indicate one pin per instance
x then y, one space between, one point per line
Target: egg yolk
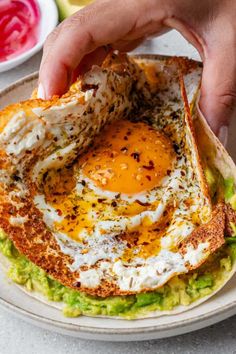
128 157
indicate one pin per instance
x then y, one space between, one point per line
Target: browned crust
230 217
189 123
213 232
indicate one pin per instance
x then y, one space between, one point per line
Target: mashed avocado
181 290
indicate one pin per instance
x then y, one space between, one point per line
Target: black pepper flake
168 172
86 87
111 109
77 284
93 205
83 183
174 115
16 178
176 148
101 200
114 204
136 156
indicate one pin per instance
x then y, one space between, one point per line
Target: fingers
218 97
81 34
99 54
94 58
122 23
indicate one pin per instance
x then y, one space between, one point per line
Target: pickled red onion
19 27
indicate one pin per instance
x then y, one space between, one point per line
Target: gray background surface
17 336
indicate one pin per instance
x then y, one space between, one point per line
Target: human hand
81 41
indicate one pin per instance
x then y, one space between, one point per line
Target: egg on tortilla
104 188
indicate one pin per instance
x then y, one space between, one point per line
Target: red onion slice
19 27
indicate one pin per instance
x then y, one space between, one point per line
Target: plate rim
117 331
90 329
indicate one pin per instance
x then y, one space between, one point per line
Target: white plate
219 307
49 20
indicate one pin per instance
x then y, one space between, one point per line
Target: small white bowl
49 20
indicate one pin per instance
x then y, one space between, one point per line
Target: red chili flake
101 200
150 166
148 178
59 212
141 203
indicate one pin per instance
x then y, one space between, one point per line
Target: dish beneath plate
48 21
219 307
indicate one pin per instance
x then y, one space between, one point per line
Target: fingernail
223 135
41 92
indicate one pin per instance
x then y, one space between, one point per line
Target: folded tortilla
49 142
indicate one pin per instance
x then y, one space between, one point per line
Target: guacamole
180 290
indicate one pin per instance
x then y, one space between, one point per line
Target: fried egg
109 182
131 198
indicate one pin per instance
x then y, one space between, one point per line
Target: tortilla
213 231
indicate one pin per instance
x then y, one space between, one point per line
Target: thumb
218 89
